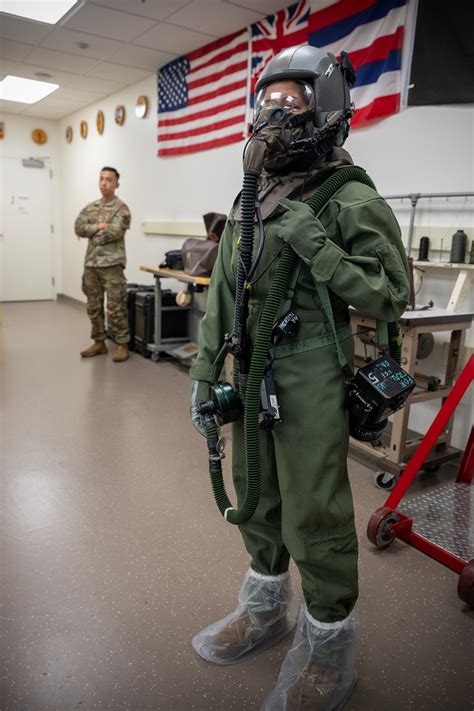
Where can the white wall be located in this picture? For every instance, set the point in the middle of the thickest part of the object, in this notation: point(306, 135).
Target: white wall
point(168, 189)
point(18, 143)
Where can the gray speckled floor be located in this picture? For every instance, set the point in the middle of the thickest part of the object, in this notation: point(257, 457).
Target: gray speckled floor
point(114, 553)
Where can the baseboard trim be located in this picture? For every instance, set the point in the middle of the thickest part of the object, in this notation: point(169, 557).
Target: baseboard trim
point(71, 300)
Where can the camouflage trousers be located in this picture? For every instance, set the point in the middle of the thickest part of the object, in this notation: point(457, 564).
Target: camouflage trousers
point(96, 282)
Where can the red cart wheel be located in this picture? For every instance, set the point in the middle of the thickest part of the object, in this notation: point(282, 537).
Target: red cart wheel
point(379, 524)
point(466, 584)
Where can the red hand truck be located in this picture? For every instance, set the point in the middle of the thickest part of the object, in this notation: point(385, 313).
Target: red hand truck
point(440, 522)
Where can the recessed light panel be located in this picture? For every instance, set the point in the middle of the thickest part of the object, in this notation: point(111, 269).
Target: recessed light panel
point(26, 91)
point(50, 11)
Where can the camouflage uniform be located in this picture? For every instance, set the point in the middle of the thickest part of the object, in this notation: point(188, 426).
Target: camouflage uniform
point(104, 266)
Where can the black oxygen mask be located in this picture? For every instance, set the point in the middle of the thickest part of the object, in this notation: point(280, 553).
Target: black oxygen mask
point(269, 139)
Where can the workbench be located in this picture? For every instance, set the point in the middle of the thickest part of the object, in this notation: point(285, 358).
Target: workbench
point(390, 454)
point(182, 348)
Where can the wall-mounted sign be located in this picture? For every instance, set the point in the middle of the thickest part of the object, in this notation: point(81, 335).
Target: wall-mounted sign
point(84, 129)
point(100, 122)
point(39, 136)
point(120, 115)
point(68, 134)
point(141, 107)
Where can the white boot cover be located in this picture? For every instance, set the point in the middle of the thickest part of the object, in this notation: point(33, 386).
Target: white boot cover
point(318, 673)
point(267, 611)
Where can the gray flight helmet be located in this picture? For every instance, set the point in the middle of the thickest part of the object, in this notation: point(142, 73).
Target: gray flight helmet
point(321, 71)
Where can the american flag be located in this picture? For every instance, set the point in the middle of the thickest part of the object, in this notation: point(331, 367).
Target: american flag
point(202, 97)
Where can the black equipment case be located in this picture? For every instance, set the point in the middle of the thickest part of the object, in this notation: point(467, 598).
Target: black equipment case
point(132, 290)
point(174, 319)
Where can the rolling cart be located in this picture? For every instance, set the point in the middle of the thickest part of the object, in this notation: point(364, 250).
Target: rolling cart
point(439, 523)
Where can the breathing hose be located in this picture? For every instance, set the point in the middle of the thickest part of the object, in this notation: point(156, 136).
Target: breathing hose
point(279, 286)
point(249, 190)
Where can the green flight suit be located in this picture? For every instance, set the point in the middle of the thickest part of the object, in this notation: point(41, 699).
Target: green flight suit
point(306, 510)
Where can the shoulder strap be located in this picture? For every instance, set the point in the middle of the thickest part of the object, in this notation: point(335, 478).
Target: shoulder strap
point(317, 202)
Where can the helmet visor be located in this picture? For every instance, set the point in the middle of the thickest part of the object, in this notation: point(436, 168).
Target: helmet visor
point(293, 96)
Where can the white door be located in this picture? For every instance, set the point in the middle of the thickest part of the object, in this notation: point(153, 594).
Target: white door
point(26, 233)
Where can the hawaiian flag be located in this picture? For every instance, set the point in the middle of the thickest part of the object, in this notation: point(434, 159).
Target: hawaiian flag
point(373, 32)
point(287, 28)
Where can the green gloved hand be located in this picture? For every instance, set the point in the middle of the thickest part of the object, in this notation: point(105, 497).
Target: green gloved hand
point(301, 229)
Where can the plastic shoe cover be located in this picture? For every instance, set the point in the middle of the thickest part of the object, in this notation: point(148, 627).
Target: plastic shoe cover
point(318, 673)
point(267, 611)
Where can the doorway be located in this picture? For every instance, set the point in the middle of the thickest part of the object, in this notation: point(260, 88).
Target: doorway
point(26, 232)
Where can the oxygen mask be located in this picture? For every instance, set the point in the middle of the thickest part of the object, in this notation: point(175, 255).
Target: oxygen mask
point(282, 111)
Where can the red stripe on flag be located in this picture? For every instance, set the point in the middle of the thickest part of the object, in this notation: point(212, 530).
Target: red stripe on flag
point(222, 42)
point(222, 56)
point(377, 109)
point(231, 69)
point(260, 44)
point(218, 92)
point(379, 49)
point(201, 129)
point(201, 114)
point(339, 11)
point(201, 146)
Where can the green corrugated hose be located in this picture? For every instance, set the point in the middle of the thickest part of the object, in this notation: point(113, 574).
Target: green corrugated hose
point(278, 289)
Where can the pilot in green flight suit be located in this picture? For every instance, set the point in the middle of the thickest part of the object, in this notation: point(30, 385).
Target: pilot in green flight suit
point(305, 512)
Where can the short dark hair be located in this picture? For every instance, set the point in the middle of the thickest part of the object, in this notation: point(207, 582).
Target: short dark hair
point(111, 170)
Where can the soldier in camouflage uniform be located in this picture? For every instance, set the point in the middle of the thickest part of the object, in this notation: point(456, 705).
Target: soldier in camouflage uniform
point(104, 223)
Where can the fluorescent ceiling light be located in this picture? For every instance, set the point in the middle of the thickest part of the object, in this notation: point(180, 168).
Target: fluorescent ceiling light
point(26, 91)
point(43, 10)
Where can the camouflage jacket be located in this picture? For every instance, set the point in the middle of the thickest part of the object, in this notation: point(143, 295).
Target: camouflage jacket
point(106, 248)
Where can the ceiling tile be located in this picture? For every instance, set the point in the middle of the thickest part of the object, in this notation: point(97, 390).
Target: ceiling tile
point(108, 23)
point(69, 93)
point(15, 51)
point(213, 17)
point(60, 60)
point(13, 28)
point(107, 70)
point(155, 9)
point(51, 112)
point(8, 67)
point(264, 7)
point(29, 71)
point(169, 38)
point(68, 40)
point(101, 86)
point(12, 107)
point(142, 57)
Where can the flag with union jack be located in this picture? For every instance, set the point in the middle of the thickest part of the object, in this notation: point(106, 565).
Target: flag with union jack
point(287, 28)
point(377, 34)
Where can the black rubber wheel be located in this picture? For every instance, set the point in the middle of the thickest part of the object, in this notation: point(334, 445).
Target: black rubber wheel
point(430, 468)
point(385, 480)
point(466, 584)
